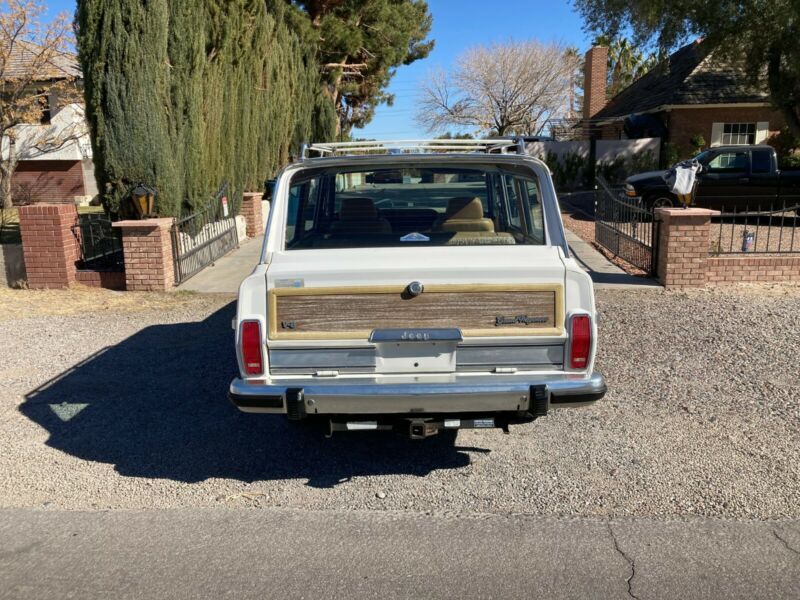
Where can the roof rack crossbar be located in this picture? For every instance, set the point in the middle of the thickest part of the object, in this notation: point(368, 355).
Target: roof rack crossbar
point(410, 146)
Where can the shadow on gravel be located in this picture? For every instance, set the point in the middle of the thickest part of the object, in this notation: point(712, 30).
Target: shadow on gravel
point(155, 405)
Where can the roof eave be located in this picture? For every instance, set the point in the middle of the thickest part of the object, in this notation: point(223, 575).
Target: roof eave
point(670, 107)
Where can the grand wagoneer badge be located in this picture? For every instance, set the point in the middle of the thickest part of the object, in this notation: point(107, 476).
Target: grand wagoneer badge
point(521, 319)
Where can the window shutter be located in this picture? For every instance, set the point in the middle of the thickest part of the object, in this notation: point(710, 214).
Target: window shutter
point(716, 134)
point(762, 132)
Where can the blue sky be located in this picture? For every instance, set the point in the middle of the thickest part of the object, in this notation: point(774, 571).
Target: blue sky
point(457, 25)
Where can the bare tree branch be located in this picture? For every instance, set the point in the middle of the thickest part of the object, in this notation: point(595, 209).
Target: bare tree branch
point(510, 88)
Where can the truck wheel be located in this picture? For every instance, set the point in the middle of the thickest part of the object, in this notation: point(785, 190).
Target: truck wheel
point(662, 202)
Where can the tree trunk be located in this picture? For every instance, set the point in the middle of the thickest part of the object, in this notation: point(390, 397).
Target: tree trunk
point(6, 172)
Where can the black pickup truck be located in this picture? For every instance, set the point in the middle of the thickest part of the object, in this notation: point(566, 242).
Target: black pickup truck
point(732, 178)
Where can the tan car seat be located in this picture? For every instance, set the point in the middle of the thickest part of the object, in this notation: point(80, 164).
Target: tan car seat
point(359, 215)
point(464, 214)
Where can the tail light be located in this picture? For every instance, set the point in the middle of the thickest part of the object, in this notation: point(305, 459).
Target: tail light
point(252, 357)
point(580, 342)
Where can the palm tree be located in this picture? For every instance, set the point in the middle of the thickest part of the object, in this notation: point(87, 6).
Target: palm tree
point(626, 63)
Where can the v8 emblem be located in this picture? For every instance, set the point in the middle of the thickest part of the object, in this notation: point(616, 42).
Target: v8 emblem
point(288, 325)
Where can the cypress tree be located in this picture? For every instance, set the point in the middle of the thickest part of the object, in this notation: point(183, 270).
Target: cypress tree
point(185, 95)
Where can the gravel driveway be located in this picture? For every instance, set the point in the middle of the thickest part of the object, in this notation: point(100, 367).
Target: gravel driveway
point(119, 409)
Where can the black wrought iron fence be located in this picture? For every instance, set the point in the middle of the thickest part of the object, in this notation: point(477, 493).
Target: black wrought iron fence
point(625, 227)
point(100, 243)
point(202, 237)
point(747, 231)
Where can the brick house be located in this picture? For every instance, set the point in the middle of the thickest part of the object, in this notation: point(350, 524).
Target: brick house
point(689, 93)
point(62, 174)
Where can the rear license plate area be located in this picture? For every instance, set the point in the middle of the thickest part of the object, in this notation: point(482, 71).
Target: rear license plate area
point(419, 357)
point(415, 351)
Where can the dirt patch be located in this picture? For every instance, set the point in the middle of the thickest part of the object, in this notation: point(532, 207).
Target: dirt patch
point(18, 304)
point(583, 226)
point(777, 235)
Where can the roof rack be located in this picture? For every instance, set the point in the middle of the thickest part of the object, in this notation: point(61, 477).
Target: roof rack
point(501, 146)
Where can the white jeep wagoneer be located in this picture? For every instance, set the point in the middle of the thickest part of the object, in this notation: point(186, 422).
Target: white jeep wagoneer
point(416, 286)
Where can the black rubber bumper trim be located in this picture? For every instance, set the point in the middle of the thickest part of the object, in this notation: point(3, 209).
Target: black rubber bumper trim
point(576, 398)
point(256, 401)
point(539, 400)
point(295, 405)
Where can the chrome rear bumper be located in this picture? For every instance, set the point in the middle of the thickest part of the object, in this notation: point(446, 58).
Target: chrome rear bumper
point(449, 394)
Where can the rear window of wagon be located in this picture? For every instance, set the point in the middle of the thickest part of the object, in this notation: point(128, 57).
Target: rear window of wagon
point(412, 204)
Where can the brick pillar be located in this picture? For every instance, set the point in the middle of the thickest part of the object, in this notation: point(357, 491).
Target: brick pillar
point(147, 247)
point(684, 244)
point(595, 71)
point(251, 210)
point(49, 244)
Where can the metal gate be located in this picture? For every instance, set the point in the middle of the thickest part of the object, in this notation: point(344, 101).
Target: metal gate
point(100, 244)
point(625, 227)
point(201, 238)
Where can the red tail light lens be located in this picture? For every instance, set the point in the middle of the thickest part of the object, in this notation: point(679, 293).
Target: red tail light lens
point(251, 348)
point(580, 342)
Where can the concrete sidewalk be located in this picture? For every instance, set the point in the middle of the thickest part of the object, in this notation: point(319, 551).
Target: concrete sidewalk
point(604, 273)
point(277, 553)
point(225, 275)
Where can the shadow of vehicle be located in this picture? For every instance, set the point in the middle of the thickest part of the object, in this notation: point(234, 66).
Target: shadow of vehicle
point(155, 406)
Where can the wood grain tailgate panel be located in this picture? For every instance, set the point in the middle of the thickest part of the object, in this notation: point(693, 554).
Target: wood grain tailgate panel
point(328, 313)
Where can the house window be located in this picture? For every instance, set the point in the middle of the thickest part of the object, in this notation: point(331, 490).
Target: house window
point(738, 134)
point(45, 114)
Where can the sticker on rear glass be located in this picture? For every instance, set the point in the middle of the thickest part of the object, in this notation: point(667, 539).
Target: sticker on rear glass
point(289, 283)
point(415, 237)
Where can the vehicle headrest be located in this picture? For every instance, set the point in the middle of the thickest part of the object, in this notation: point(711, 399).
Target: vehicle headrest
point(468, 209)
point(358, 209)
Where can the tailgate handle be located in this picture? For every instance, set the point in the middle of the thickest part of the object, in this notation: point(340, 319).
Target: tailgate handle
point(416, 335)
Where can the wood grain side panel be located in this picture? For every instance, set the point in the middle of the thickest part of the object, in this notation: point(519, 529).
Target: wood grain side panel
point(296, 314)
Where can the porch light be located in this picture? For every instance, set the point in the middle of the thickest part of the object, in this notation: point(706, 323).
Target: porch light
point(144, 198)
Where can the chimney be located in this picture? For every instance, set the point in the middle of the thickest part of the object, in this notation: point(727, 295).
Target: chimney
point(595, 71)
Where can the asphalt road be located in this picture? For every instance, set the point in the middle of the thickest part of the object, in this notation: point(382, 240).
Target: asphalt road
point(216, 553)
point(578, 201)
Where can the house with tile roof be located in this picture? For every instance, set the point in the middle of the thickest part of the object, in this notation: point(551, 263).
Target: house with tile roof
point(60, 172)
point(691, 93)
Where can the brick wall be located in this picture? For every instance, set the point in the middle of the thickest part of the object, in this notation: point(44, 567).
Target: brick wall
point(684, 123)
point(611, 131)
point(147, 248)
point(730, 270)
point(48, 181)
point(49, 244)
point(251, 210)
point(110, 280)
point(684, 261)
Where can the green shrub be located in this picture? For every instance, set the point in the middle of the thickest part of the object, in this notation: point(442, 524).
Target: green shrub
point(569, 171)
point(641, 162)
point(671, 154)
point(185, 95)
point(614, 172)
point(786, 146)
point(698, 142)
